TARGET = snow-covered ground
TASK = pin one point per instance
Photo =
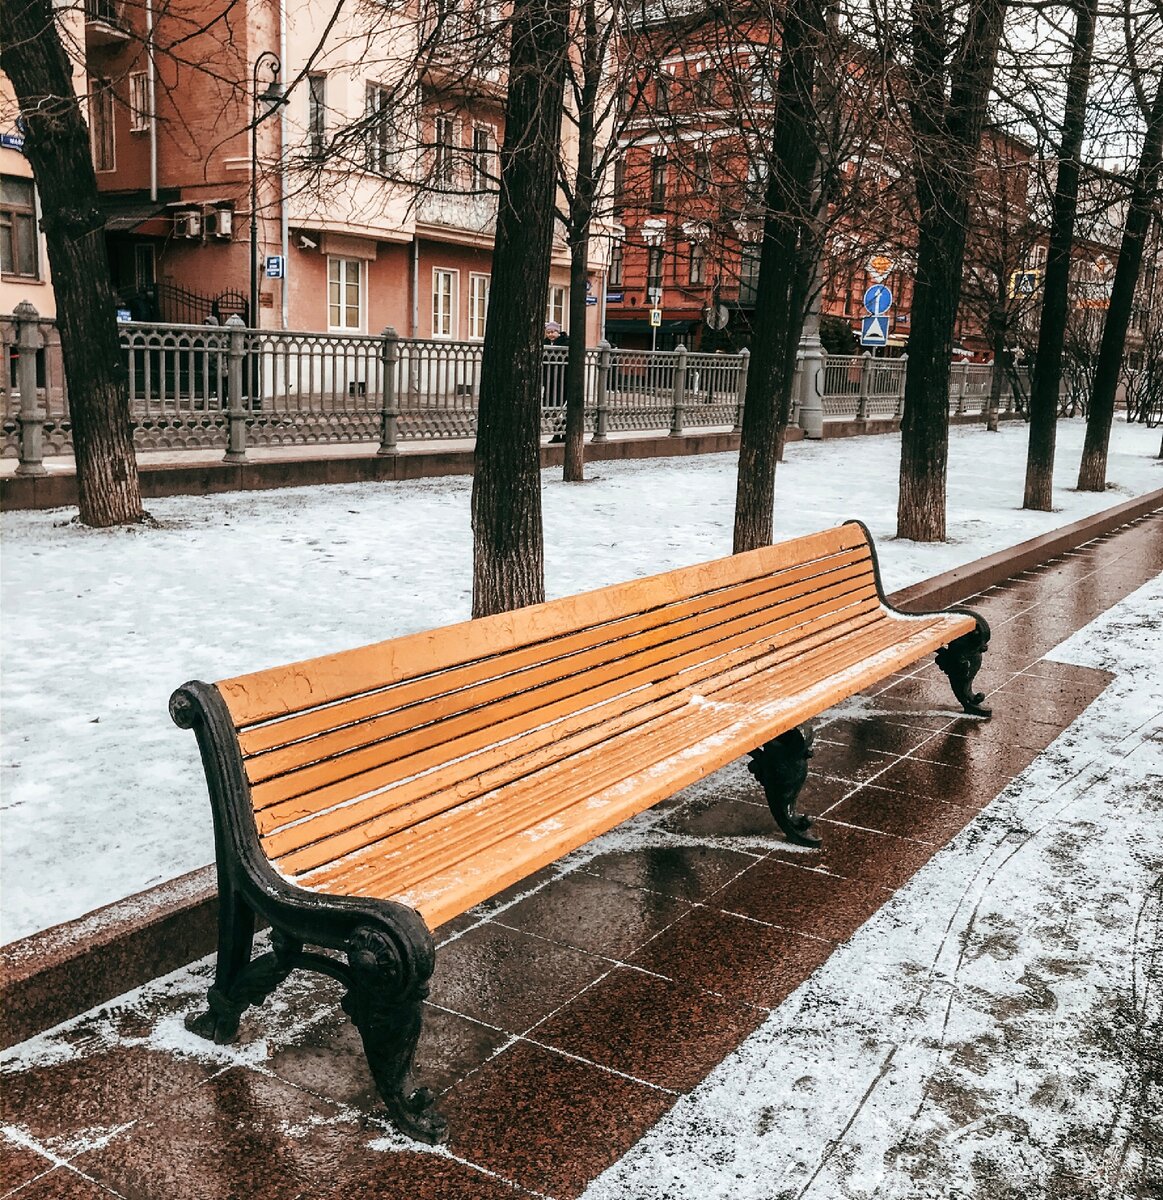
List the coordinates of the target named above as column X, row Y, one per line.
column 103, row 796
column 994, row 1030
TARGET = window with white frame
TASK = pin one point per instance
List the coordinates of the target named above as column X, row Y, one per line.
column 698, row 263
column 762, row 79
column 444, row 290
column 558, row 307
column 478, row 305
column 101, row 132
column 444, row 151
column 379, row 130
column 484, row 167
column 316, row 114
column 138, row 102
column 19, row 242
column 345, row 293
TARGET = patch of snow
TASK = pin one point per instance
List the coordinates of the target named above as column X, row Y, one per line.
column 103, row 796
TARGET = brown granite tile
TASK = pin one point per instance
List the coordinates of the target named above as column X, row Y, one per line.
column 701, row 818
column 905, row 815
column 872, row 734
column 19, row 1164
column 806, row 901
column 1047, row 668
column 1006, row 726
column 62, row 1104
column 509, row 979
column 849, row 762
column 974, row 756
column 731, row 955
column 594, row 914
column 657, row 1030
column 240, row 1134
column 878, row 858
column 66, row 1184
column 546, row 1122
column 949, row 782
column 418, row 1176
column 688, row 872
column 1046, row 701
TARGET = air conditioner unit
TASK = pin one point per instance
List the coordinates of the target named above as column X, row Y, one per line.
column 219, row 223
column 188, row 223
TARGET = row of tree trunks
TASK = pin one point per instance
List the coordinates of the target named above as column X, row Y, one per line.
column 509, row 557
column 57, row 145
column 1144, row 196
column 1056, row 284
column 779, row 293
column 947, row 130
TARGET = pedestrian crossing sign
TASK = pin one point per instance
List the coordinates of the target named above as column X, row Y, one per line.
column 874, row 331
column 656, row 317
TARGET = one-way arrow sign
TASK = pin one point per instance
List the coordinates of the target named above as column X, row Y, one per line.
column 874, row 332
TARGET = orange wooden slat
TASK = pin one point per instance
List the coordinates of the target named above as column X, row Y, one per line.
column 264, row 695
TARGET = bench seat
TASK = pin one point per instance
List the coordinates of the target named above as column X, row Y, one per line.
column 425, row 774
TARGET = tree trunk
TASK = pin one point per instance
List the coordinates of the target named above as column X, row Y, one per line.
column 1144, row 193
column 1055, row 290
column 778, row 299
column 947, row 133
column 508, row 547
column 580, row 216
column 57, row 145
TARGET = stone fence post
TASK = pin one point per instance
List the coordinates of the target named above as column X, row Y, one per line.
column 900, row 394
column 741, row 388
column 235, row 370
column 390, row 414
column 678, row 401
column 32, row 415
column 601, row 400
column 865, row 385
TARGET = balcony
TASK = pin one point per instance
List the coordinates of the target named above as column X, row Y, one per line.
column 470, row 212
column 104, row 24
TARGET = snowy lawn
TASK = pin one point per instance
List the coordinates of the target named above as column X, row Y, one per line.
column 103, row 796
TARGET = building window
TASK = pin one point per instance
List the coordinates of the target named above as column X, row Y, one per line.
column 762, row 80
column 698, row 263
column 478, row 306
column 749, row 275
column 654, row 270
column 379, row 130
column 444, row 151
column 658, row 183
column 316, row 114
column 344, row 293
column 444, row 288
column 757, row 179
column 662, row 93
column 101, row 131
column 144, row 265
column 705, row 86
column 138, row 102
column 702, row 170
column 617, row 256
column 18, row 237
column 558, row 307
column 484, row 167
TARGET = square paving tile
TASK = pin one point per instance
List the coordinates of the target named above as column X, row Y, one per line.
column 688, row 872
column 547, row 1122
column 66, row 1184
column 806, row 901
column 736, row 957
column 872, row 734
column 418, row 1176
column 903, row 814
column 656, row 1030
column 850, row 762
column 878, row 858
column 949, row 782
column 19, row 1164
column 240, row 1134
column 594, row 914
column 508, row 979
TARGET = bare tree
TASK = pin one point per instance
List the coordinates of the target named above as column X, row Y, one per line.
column 57, row 144
column 508, row 547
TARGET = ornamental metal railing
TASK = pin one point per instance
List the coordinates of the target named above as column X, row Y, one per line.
column 227, row 387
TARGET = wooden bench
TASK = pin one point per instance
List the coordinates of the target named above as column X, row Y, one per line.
column 362, row 799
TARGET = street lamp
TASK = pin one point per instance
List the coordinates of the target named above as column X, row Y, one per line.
column 262, row 106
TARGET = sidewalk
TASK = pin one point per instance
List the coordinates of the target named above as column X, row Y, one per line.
column 584, row 1013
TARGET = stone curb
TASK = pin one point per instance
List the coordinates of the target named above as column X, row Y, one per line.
column 63, row 971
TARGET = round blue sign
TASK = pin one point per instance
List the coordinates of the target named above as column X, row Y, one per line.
column 878, row 299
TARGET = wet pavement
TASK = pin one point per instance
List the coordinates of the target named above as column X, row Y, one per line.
column 570, row 1015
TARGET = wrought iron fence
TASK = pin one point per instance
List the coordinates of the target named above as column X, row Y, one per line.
column 228, row 387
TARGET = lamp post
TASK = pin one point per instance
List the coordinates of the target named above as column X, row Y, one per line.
column 262, row 105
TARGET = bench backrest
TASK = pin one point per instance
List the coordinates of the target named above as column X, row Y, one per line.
column 356, row 746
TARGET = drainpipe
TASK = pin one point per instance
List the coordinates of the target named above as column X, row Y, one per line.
column 151, row 94
column 415, row 286
column 284, row 227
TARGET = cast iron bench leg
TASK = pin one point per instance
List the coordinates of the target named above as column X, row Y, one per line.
column 781, row 766
column 961, row 660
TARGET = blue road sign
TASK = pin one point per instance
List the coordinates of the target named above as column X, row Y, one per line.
column 274, row 266
column 874, row 331
column 878, row 299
